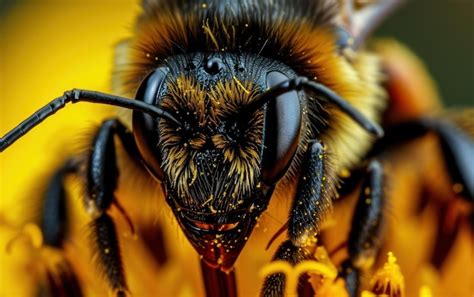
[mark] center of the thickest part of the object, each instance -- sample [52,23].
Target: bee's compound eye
[282,129]
[144,126]
[148,90]
[214,66]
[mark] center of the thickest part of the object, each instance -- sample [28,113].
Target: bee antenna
[75,96]
[299,83]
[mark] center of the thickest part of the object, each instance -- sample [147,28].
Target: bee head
[219,165]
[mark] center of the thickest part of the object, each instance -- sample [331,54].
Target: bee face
[220,163]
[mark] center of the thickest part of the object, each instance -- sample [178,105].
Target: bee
[236,102]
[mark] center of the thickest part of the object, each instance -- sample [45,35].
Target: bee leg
[458,150]
[456,138]
[312,201]
[108,250]
[364,238]
[53,216]
[102,177]
[456,144]
[62,280]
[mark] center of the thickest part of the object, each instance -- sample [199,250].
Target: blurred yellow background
[46,48]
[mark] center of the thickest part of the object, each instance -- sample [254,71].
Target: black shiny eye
[144,126]
[214,66]
[282,129]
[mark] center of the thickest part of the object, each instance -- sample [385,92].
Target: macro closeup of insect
[260,148]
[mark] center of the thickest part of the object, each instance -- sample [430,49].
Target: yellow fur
[204,109]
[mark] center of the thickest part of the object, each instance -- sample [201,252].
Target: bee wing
[121,62]
[456,134]
[462,119]
[362,17]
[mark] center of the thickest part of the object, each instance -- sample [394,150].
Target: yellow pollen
[240,84]
[367,191]
[213,210]
[345,173]
[458,188]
